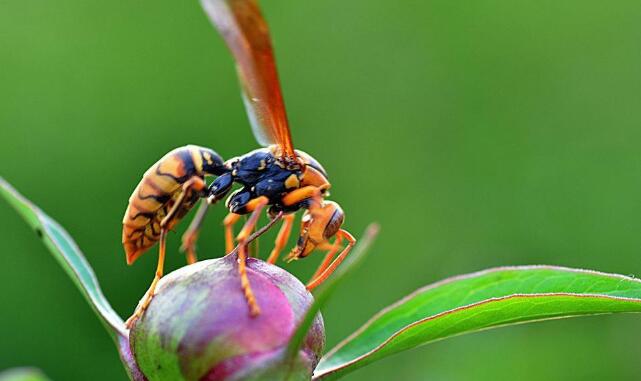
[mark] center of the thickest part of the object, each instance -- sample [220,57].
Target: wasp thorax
[198,326]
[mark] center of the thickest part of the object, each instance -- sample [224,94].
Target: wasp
[277,178]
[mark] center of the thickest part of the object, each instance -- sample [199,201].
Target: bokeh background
[478,133]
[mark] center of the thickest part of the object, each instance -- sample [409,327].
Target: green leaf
[23,374]
[482,300]
[324,291]
[67,253]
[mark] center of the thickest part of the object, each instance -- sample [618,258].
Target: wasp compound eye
[334,223]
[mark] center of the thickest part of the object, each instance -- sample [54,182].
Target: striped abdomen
[157,192]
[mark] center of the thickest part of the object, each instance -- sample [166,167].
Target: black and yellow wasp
[277,177]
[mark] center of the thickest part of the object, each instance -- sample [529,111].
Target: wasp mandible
[276,178]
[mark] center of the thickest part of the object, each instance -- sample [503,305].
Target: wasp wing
[247,36]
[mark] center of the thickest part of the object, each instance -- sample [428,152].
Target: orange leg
[195,183]
[142,306]
[253,248]
[254,309]
[330,269]
[256,205]
[282,238]
[265,228]
[301,194]
[229,223]
[311,193]
[333,249]
[191,234]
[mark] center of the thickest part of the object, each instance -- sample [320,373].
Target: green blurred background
[477,133]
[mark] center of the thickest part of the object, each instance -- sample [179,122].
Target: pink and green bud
[198,325]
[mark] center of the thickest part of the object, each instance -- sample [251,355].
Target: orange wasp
[277,177]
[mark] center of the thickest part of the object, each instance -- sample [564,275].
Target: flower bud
[198,325]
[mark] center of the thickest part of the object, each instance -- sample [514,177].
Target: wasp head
[319,224]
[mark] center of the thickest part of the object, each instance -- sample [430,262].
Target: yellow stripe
[198,160]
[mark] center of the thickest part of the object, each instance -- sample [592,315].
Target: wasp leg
[264,228]
[190,236]
[219,188]
[330,269]
[256,206]
[229,223]
[239,203]
[195,183]
[216,191]
[333,249]
[252,247]
[144,303]
[281,238]
[312,196]
[301,194]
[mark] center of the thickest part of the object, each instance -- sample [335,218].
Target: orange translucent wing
[246,33]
